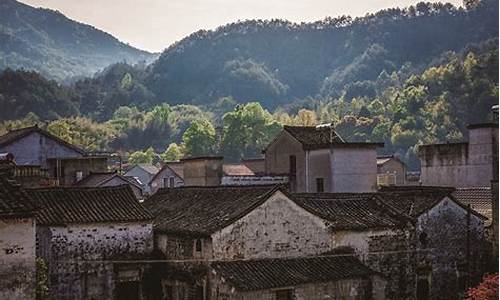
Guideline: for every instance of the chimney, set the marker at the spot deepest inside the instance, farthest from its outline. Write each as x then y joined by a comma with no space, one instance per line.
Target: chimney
202,171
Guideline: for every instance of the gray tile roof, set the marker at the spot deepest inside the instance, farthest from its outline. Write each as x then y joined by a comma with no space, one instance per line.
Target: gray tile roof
14,201
480,199
250,275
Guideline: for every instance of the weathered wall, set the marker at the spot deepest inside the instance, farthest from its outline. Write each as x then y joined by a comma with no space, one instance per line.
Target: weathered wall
253,180
159,182
202,171
385,251
396,167
183,247
277,228
77,254
354,170
278,160
17,258
66,169
35,148
258,166
444,248
317,164
349,289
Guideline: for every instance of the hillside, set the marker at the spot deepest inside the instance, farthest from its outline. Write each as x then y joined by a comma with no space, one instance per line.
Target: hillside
277,61
59,48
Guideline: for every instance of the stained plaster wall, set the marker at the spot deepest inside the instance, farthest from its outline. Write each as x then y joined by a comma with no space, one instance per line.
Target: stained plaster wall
76,255
446,246
277,228
354,170
17,258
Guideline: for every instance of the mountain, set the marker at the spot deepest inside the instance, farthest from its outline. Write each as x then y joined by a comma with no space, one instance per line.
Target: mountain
57,47
278,61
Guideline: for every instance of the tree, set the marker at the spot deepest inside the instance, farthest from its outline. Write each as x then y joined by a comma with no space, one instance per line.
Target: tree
61,129
142,157
173,153
199,139
486,290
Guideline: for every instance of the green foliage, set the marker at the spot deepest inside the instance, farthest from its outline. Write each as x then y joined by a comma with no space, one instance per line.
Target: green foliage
142,157
199,139
247,130
173,153
42,279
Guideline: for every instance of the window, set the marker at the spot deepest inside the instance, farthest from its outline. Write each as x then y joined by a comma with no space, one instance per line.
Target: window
284,295
320,185
293,165
198,245
171,182
165,182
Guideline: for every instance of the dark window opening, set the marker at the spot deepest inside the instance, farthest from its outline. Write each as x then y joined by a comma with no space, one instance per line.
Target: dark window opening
320,185
423,292
284,295
293,165
423,239
198,245
171,182
127,291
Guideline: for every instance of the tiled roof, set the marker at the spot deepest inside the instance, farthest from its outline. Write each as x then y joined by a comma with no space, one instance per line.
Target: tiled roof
14,135
250,275
416,200
311,137
479,198
151,169
351,211
98,179
63,205
14,201
236,170
203,210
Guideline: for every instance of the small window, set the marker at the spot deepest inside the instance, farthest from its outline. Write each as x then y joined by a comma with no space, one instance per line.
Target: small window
198,245
284,295
320,185
293,165
165,182
171,182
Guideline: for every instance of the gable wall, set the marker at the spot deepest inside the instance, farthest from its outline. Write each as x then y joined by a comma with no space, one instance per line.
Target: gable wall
394,166
277,228
354,170
157,183
17,258
35,148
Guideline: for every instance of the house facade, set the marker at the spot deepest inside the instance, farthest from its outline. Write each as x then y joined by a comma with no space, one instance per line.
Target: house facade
170,175
144,173
86,236
317,159
107,179
17,242
390,171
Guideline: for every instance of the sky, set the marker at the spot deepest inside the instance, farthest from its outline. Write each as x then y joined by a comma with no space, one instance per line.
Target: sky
155,24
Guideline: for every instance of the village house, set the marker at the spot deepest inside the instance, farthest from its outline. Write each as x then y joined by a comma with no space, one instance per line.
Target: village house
44,159
103,179
170,175
17,242
466,164
317,159
233,223
257,164
87,235
449,238
144,174
390,171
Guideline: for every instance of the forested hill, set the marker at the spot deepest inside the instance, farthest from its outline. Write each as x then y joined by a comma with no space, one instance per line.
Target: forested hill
278,61
48,42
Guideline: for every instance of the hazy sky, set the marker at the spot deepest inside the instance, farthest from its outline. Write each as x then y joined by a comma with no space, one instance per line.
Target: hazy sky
154,24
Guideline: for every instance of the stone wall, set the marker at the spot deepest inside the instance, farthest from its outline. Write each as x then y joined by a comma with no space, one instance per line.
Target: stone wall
78,256
17,258
442,234
277,228
183,247
35,148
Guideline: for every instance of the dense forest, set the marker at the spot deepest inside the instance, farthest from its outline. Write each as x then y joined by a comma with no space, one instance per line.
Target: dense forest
57,47
401,76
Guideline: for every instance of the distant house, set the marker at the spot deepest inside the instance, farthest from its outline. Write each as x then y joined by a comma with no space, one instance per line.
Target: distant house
317,159
39,153
144,173
257,165
170,175
466,164
390,170
104,179
17,242
444,235
85,233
